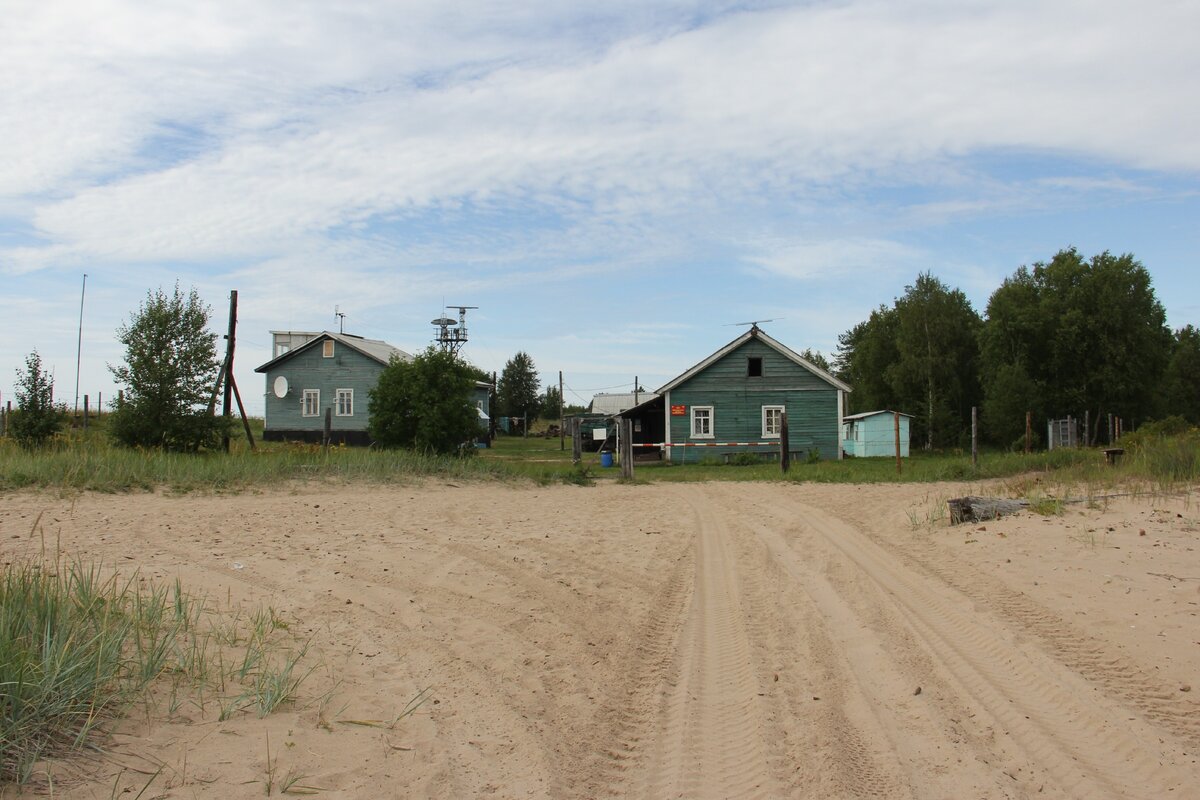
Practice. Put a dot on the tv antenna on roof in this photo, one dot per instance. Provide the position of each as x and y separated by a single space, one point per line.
341 318
753 323
452 334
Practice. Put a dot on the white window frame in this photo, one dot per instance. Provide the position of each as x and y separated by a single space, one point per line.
766 410
327 348
712 422
348 395
316 404
281 348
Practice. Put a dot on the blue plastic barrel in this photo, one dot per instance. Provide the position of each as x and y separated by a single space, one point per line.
606 459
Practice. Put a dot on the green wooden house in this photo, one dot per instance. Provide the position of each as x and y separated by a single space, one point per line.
312 373
732 402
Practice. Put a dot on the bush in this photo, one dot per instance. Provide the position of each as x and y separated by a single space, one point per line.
170 369
425 405
36 419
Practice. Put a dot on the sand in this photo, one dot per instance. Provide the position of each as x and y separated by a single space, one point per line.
700 641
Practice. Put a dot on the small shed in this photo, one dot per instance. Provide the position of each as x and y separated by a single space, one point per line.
873 433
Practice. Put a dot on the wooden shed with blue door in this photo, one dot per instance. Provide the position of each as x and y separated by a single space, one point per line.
733 402
315 372
873 433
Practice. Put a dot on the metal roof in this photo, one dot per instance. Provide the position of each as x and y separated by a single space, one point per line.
376 349
609 404
865 414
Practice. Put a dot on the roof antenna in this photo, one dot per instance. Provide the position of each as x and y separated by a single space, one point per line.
341 318
753 324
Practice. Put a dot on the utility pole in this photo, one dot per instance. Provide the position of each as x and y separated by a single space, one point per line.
79 344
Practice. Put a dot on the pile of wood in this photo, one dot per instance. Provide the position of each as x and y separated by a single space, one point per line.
980 509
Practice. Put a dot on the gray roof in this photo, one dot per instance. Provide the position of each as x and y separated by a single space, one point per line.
755 333
609 404
865 414
376 349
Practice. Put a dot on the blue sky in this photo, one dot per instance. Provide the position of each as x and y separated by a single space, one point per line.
614 186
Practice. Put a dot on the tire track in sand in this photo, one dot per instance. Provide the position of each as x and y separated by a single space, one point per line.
1089 747
709 735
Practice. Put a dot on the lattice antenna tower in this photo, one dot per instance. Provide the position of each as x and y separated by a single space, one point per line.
451 333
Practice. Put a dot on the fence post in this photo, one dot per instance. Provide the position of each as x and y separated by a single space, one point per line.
1028 432
576 441
785 455
328 427
896 417
626 448
974 437
85 412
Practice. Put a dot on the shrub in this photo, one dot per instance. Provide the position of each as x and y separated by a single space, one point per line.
36 419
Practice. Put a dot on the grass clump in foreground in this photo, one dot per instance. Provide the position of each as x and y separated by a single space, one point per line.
80 647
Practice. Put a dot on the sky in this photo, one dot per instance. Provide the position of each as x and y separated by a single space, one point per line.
615 185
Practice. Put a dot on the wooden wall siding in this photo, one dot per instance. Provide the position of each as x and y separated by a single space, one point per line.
737 402
348 369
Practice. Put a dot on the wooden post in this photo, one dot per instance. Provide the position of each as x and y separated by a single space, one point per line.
785 455
562 420
1087 432
1028 432
227 401
85 412
974 437
896 416
1110 428
1119 431
525 425
576 441
1070 431
328 427
99 404
626 448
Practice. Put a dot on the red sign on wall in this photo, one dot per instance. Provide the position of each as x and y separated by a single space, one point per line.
678 411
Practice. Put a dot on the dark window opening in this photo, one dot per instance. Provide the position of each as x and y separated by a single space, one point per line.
754 367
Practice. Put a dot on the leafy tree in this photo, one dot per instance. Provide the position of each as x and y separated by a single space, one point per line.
815 358
36 418
549 403
425 404
865 352
1090 335
1182 380
517 388
936 372
169 371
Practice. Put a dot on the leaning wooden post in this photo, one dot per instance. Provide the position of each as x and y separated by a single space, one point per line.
627 448
896 416
1028 432
785 455
328 427
974 437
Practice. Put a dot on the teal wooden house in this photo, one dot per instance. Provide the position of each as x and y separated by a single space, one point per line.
733 402
873 433
313 373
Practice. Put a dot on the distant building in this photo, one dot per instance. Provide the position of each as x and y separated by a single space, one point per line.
734 400
312 372
608 404
873 433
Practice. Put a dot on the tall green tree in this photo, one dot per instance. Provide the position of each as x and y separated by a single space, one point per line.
1182 380
517 389
936 373
865 352
169 371
1090 336
425 404
36 419
549 403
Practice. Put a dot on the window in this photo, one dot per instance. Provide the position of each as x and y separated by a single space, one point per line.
345 403
702 422
754 367
772 421
280 349
310 404
327 348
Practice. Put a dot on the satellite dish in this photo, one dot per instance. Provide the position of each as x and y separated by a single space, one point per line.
281 387
445 322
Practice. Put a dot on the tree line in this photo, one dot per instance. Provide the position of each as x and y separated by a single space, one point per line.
1069 337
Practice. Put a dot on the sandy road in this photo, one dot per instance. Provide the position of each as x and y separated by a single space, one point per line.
700 641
